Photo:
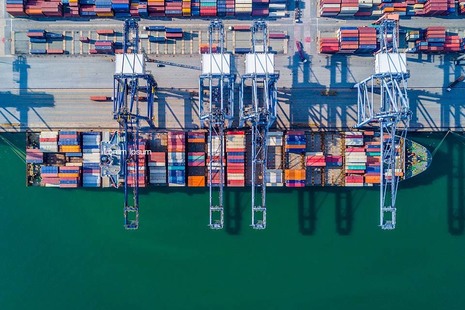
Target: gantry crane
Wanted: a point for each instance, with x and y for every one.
(382, 99)
(129, 80)
(216, 108)
(259, 112)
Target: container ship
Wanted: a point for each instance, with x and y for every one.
(295, 158)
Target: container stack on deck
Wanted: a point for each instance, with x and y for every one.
(138, 171)
(157, 158)
(91, 159)
(295, 152)
(274, 161)
(333, 148)
(355, 159)
(68, 142)
(235, 150)
(49, 176)
(215, 170)
(176, 158)
(196, 158)
(34, 156)
(48, 141)
(69, 176)
(315, 162)
(373, 152)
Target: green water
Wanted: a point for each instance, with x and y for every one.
(67, 249)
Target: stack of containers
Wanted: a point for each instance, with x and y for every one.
(243, 7)
(173, 8)
(33, 8)
(103, 8)
(157, 158)
(315, 159)
(365, 8)
(143, 9)
(36, 34)
(436, 37)
(88, 10)
(330, 7)
(367, 41)
(91, 159)
(399, 8)
(196, 159)
(413, 35)
(221, 8)
(69, 177)
(15, 7)
(138, 170)
(104, 47)
(436, 7)
(120, 7)
(156, 8)
(452, 44)
(355, 159)
(230, 4)
(295, 165)
(373, 152)
(277, 8)
(48, 141)
(329, 45)
(176, 158)
(274, 160)
(49, 176)
(52, 8)
(451, 6)
(186, 8)
(260, 7)
(195, 7)
(173, 33)
(208, 8)
(348, 39)
(68, 142)
(348, 7)
(215, 170)
(235, 150)
(34, 156)
(73, 9)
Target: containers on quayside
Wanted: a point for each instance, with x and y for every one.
(196, 156)
(274, 175)
(235, 158)
(176, 158)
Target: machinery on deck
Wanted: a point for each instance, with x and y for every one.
(216, 108)
(259, 112)
(382, 100)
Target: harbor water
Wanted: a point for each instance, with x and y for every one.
(322, 249)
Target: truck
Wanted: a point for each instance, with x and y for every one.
(300, 50)
(454, 83)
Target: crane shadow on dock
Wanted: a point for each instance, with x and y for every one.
(176, 108)
(23, 102)
(316, 105)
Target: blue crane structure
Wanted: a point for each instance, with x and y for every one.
(259, 113)
(129, 81)
(383, 100)
(216, 109)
